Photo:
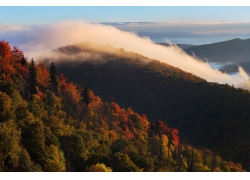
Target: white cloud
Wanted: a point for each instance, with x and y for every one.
(41, 38)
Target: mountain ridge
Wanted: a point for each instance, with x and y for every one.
(183, 100)
(234, 50)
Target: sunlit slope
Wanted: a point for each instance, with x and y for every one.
(211, 115)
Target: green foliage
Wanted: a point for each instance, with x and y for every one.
(51, 139)
(9, 145)
(98, 168)
(35, 109)
(6, 86)
(33, 139)
(123, 163)
(54, 160)
(25, 164)
(5, 107)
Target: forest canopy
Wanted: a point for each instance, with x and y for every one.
(51, 124)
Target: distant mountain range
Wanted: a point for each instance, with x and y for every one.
(236, 51)
(154, 35)
(182, 46)
(182, 34)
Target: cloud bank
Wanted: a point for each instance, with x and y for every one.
(38, 39)
(204, 28)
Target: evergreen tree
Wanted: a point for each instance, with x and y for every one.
(54, 79)
(23, 61)
(32, 78)
(85, 95)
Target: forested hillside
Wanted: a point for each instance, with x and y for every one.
(50, 124)
(210, 115)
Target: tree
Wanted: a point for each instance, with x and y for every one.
(54, 159)
(25, 164)
(85, 95)
(74, 149)
(98, 168)
(33, 139)
(43, 76)
(18, 55)
(9, 145)
(123, 163)
(5, 105)
(62, 81)
(5, 56)
(23, 61)
(54, 79)
(32, 78)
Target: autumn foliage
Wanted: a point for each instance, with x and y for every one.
(48, 130)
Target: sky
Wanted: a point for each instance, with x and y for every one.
(51, 14)
(207, 20)
(227, 21)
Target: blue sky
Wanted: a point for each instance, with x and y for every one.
(232, 21)
(44, 14)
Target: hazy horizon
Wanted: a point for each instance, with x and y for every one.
(220, 23)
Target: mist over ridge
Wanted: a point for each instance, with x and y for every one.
(38, 39)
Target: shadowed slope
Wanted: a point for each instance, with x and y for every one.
(211, 115)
